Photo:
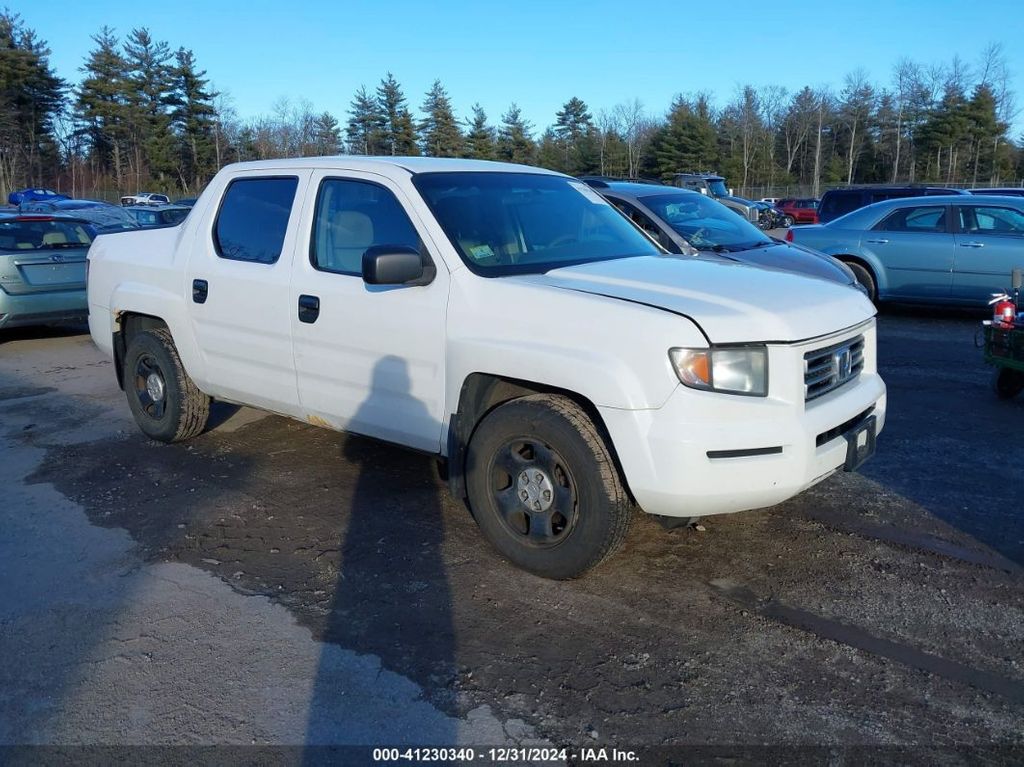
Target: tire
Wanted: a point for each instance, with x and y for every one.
(865, 278)
(1007, 383)
(169, 407)
(787, 222)
(544, 488)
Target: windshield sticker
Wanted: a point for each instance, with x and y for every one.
(481, 251)
(587, 192)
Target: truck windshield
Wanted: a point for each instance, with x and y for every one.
(705, 223)
(716, 187)
(518, 223)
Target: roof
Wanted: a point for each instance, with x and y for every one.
(946, 199)
(639, 189)
(378, 164)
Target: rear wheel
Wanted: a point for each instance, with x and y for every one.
(865, 278)
(1007, 383)
(787, 222)
(544, 488)
(166, 403)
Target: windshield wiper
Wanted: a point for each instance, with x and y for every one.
(762, 244)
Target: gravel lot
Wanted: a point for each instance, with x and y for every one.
(271, 582)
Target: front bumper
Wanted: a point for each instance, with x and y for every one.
(22, 309)
(665, 452)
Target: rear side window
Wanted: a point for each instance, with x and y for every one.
(918, 219)
(253, 219)
(352, 216)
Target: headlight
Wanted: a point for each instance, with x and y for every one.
(732, 370)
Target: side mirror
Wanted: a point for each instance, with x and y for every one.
(395, 265)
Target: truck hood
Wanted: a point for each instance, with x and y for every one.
(731, 302)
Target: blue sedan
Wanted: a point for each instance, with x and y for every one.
(950, 250)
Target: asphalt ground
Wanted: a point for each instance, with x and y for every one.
(275, 583)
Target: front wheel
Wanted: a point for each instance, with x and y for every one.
(543, 487)
(166, 403)
(865, 278)
(1007, 383)
(787, 222)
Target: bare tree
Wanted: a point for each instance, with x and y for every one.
(636, 130)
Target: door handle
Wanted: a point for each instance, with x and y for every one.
(309, 308)
(877, 242)
(200, 290)
(972, 245)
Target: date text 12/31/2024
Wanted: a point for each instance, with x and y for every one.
(501, 755)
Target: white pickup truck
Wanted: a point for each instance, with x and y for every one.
(506, 319)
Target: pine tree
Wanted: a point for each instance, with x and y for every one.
(102, 104)
(31, 97)
(515, 143)
(150, 77)
(326, 134)
(399, 132)
(480, 136)
(574, 130)
(687, 142)
(192, 117)
(364, 130)
(439, 130)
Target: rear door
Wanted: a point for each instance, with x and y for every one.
(915, 246)
(989, 245)
(369, 358)
(237, 285)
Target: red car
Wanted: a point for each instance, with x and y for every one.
(799, 211)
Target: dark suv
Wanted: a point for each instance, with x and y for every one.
(839, 202)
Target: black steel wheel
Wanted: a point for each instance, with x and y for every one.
(166, 403)
(544, 488)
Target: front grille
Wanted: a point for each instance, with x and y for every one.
(827, 369)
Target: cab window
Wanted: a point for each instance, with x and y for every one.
(253, 219)
(352, 216)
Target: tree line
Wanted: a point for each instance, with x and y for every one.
(144, 115)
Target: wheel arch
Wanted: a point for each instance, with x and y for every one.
(127, 325)
(480, 394)
(878, 275)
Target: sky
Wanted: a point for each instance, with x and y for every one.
(537, 54)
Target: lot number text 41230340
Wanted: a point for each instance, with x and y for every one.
(503, 754)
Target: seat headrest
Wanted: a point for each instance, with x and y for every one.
(352, 229)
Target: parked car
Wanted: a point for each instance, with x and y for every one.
(505, 318)
(713, 185)
(954, 249)
(42, 269)
(101, 216)
(34, 194)
(839, 202)
(689, 223)
(165, 215)
(770, 200)
(188, 202)
(802, 210)
(145, 198)
(1010, 191)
